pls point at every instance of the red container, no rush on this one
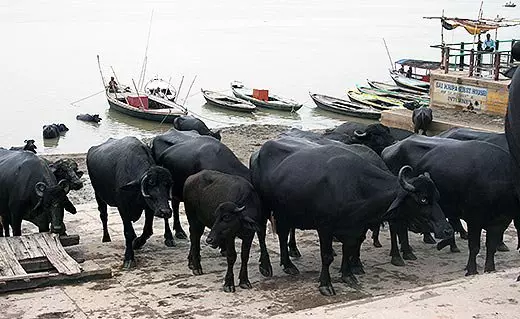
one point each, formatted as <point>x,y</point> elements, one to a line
<point>134,101</point>
<point>261,94</point>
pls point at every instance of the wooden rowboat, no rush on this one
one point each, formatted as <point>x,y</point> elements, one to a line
<point>396,95</point>
<point>227,102</point>
<point>344,107</point>
<point>410,83</point>
<point>395,88</point>
<point>275,102</point>
<point>374,101</point>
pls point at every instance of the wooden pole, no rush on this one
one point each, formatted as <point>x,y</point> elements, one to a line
<point>447,59</point>
<point>389,57</point>
<point>189,91</point>
<point>179,90</point>
<point>461,62</point>
<point>471,62</point>
<point>138,96</point>
<point>496,66</point>
<point>145,59</point>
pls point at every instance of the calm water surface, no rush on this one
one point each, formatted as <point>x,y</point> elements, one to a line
<point>49,48</point>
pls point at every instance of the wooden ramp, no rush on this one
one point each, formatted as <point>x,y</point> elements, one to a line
<point>39,260</point>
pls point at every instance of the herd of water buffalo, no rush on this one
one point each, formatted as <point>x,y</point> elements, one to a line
<point>340,183</point>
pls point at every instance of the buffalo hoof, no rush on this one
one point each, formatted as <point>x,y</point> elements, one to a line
<point>129,264</point>
<point>428,239</point>
<point>377,243</point>
<point>169,242</point>
<point>229,288</point>
<point>327,290</point>
<point>197,272</point>
<point>138,243</point>
<point>518,279</point>
<point>245,284</point>
<point>397,261</point>
<point>180,234</point>
<point>454,249</point>
<point>442,244</point>
<point>291,270</point>
<point>106,239</point>
<point>358,270</point>
<point>489,268</point>
<point>294,252</point>
<point>502,247</point>
<point>471,272</point>
<point>408,255</point>
<point>464,235</point>
<point>266,270</point>
<point>351,281</point>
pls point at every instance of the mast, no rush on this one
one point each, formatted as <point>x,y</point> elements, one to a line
<point>145,59</point>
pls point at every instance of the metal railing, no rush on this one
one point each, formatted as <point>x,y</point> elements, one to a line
<point>476,62</point>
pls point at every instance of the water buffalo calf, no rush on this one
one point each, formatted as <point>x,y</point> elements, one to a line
<point>228,205</point>
<point>124,175</point>
<point>422,118</point>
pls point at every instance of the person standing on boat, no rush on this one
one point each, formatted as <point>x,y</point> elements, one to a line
<point>401,70</point>
<point>112,85</point>
<point>489,44</point>
<point>409,72</point>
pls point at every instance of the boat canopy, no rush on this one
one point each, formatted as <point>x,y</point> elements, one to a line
<point>421,64</point>
<point>473,26</point>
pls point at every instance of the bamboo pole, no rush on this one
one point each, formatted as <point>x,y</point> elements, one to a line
<point>389,57</point>
<point>138,96</point>
<point>189,91</point>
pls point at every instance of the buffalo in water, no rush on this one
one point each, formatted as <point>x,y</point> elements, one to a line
<point>29,146</point>
<point>54,130</point>
<point>88,118</point>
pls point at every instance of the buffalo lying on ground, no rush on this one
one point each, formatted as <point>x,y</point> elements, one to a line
<point>191,123</point>
<point>228,205</point>
<point>54,130</point>
<point>474,181</point>
<point>124,175</point>
<point>29,146</point>
<point>29,191</point>
<point>187,153</point>
<point>89,118</point>
<point>331,188</point>
<point>422,118</point>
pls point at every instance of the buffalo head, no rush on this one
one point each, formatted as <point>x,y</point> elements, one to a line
<point>67,169</point>
<point>155,188</point>
<point>375,136</point>
<point>51,200</point>
<point>230,220</point>
<point>29,146</point>
<point>416,204</point>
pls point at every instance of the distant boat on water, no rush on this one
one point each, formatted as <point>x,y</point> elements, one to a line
<point>509,4</point>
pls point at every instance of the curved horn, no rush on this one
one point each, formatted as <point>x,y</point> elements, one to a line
<point>239,209</point>
<point>143,181</point>
<point>40,188</point>
<point>427,174</point>
<point>358,133</point>
<point>402,179</point>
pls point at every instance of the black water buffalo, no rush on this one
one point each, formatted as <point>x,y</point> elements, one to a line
<point>191,123</point>
<point>474,181</point>
<point>331,188</point>
<point>229,205</point>
<point>466,134</point>
<point>29,146</point>
<point>422,118</point>
<point>29,191</point>
<point>54,130</point>
<point>89,118</point>
<point>187,153</point>
<point>124,175</point>
<point>375,136</point>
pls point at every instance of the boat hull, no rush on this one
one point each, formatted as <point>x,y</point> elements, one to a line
<point>280,106</point>
<point>406,83</point>
<point>140,114</point>
<point>366,114</point>
<point>245,107</point>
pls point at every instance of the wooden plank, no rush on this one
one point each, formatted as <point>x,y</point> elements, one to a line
<point>18,248</point>
<point>8,261</point>
<point>58,257</point>
<point>69,240</point>
<point>5,279</point>
<point>33,249</point>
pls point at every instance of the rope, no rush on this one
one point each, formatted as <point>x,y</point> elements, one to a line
<point>88,97</point>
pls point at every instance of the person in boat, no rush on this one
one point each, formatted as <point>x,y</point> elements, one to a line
<point>489,44</point>
<point>112,85</point>
<point>409,72</point>
<point>401,70</point>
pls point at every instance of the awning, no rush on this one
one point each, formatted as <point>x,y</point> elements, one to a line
<point>421,64</point>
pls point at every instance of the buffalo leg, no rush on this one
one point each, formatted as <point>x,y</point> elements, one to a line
<point>5,225</point>
<point>517,226</point>
<point>406,249</point>
<point>196,231</point>
<point>428,239</point>
<point>375,235</point>
<point>103,215</point>
<point>394,247</point>
<point>264,267</point>
<point>457,226</point>
<point>168,236</point>
<point>356,264</point>
<point>147,229</point>
<point>179,232</point>
<point>327,257</point>
<point>243,277</point>
<point>285,261</point>
<point>293,250</point>
<point>229,281</point>
<point>474,247</point>
<point>493,238</point>
<point>129,261</point>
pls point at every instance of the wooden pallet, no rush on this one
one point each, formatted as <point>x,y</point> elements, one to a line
<point>38,260</point>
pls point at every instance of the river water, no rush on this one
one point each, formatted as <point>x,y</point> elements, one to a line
<point>48,56</point>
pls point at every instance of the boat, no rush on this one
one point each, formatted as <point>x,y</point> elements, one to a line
<point>374,101</point>
<point>142,105</point>
<point>396,95</point>
<point>509,4</point>
<point>273,101</point>
<point>345,107</point>
<point>160,88</point>
<point>412,79</point>
<point>227,102</point>
<point>395,88</point>
<point>409,83</point>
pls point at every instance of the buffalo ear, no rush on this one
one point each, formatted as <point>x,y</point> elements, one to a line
<point>40,188</point>
<point>392,211</point>
<point>64,184</point>
<point>132,186</point>
<point>249,223</point>
<point>52,167</point>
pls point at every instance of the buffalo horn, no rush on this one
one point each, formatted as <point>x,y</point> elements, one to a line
<point>427,174</point>
<point>143,182</point>
<point>358,133</point>
<point>402,179</point>
<point>239,209</point>
<point>40,187</point>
